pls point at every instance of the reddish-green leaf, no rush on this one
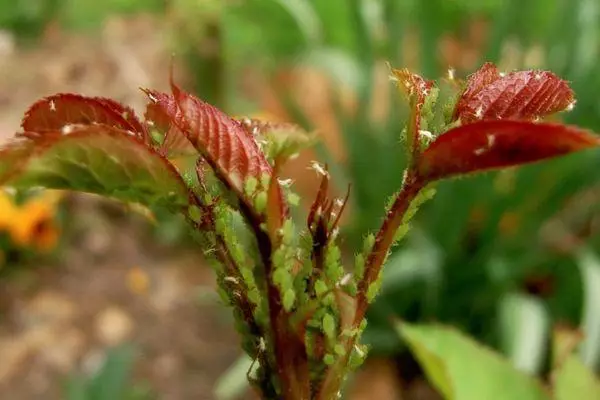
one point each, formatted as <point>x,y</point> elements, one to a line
<point>174,142</point>
<point>58,111</point>
<point>220,138</point>
<point>96,159</point>
<point>526,95</point>
<point>486,145</point>
<point>227,146</point>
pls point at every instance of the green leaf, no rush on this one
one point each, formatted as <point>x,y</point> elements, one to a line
<point>573,380</point>
<point>341,67</point>
<point>303,13</point>
<point>95,159</point>
<point>461,369</point>
<point>233,383</point>
<point>76,388</point>
<point>111,381</point>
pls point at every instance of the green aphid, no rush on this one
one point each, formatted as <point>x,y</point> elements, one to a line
<point>357,357</point>
<point>195,213</point>
<point>321,287</point>
<point>329,326</point>
<point>283,279</point>
<point>260,202</point>
<point>359,266</point>
<point>373,289</point>
<point>250,186</point>
<point>329,359</point>
<point>339,349</point>
<point>289,297</point>
<point>293,199</point>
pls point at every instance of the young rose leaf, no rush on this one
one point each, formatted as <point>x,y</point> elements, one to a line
<point>417,89</point>
<point>55,112</point>
<point>158,109</point>
<point>173,142</point>
<point>278,140</point>
<point>526,95</point>
<point>96,159</point>
<point>230,150</point>
<point>487,145</point>
<point>483,77</point>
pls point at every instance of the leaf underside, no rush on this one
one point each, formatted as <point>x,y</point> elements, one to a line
<point>96,159</point>
<point>488,145</point>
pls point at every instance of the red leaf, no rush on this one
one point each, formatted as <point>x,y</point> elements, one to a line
<point>525,95</point>
<point>487,145</point>
<point>485,75</point>
<point>227,146</point>
<point>161,105</point>
<point>57,111</point>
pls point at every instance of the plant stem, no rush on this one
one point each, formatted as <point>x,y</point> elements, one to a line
<point>383,241</point>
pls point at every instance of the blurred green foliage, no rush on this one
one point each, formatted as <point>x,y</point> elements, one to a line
<point>28,18</point>
<point>112,380</point>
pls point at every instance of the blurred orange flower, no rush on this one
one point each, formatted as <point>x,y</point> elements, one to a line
<point>33,223</point>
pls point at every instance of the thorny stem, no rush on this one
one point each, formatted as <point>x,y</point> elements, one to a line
<point>383,242</point>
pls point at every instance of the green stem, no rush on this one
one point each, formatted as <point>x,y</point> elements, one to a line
<point>384,240</point>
